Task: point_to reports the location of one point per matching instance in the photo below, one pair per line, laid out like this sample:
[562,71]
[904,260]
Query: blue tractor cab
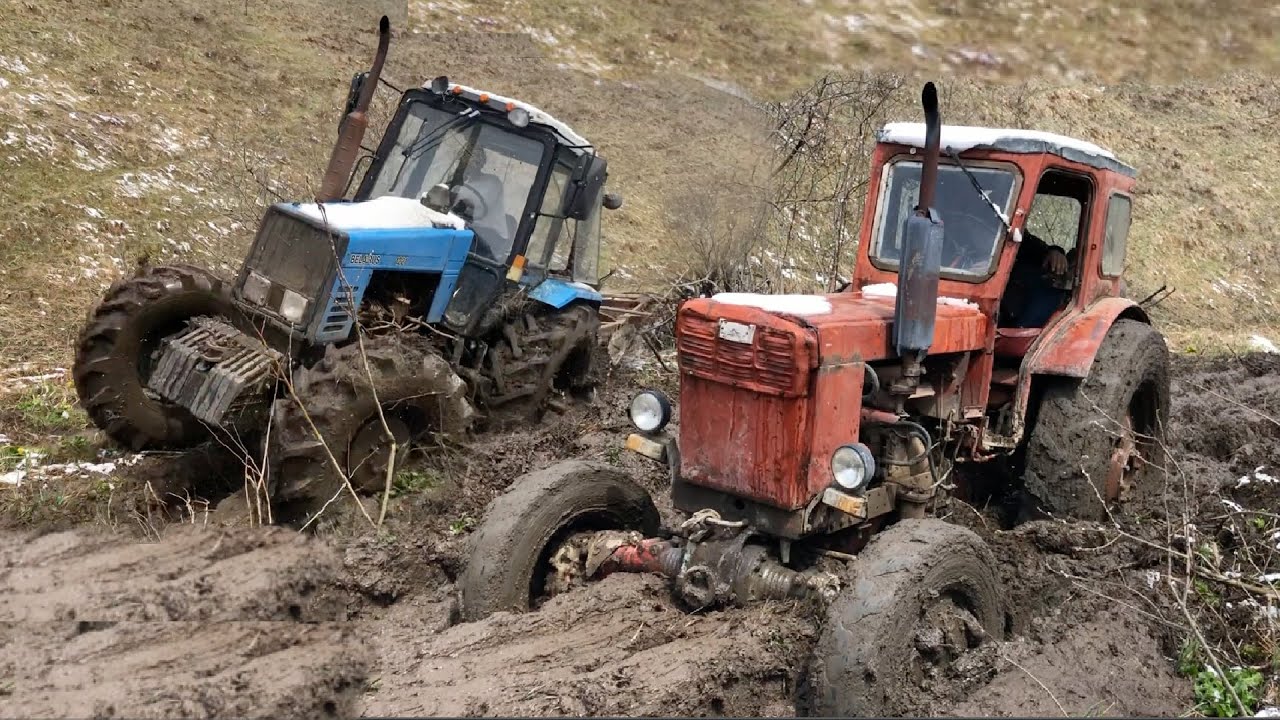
[470,196]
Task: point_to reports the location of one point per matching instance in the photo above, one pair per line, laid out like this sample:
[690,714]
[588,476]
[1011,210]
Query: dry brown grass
[159,130]
[773,48]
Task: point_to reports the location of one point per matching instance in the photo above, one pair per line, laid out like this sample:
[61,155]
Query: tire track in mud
[617,647]
[203,623]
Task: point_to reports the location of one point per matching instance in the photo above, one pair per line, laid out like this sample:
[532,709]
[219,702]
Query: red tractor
[818,433]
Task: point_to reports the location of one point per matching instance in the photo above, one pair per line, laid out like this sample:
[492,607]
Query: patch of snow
[1259,476]
[28,380]
[957,302]
[1269,578]
[380,213]
[1232,505]
[789,304]
[28,462]
[963,137]
[1268,712]
[14,65]
[880,290]
[890,290]
[1153,576]
[1258,343]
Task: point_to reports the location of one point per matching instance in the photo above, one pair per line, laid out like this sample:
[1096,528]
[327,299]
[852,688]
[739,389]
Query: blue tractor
[458,284]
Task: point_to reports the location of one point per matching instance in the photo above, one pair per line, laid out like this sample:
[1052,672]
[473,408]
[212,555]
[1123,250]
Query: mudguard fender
[1067,349]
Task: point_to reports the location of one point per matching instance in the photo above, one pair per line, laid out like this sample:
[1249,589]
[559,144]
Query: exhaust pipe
[932,149]
[347,147]
[916,307]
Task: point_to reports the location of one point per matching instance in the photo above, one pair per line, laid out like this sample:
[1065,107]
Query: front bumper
[830,511]
[215,371]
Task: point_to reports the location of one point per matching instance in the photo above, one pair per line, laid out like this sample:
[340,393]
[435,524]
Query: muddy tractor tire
[522,527]
[1096,443]
[331,415]
[921,589]
[121,341]
[538,353]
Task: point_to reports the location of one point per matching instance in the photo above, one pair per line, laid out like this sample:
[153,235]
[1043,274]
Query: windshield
[490,171]
[971,231]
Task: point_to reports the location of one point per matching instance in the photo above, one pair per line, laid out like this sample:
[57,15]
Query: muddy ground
[221,619]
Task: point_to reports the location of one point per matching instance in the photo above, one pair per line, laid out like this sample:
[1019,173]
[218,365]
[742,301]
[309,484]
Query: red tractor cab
[779,395]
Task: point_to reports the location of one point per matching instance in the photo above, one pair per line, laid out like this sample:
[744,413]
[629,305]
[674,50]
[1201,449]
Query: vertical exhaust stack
[347,147]
[915,311]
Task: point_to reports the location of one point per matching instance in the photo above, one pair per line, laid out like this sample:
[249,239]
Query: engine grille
[293,254]
[775,362]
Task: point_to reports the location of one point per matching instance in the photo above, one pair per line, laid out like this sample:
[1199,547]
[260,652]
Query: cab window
[1117,235]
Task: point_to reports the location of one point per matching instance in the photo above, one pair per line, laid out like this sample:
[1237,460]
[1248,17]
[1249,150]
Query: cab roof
[962,137]
[540,117]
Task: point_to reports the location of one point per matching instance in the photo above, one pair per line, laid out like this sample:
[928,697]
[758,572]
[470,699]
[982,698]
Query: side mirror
[612,201]
[440,85]
[588,181]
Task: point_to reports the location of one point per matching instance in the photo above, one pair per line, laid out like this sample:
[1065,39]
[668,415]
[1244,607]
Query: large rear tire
[121,341]
[1098,442]
[333,415]
[522,527]
[924,592]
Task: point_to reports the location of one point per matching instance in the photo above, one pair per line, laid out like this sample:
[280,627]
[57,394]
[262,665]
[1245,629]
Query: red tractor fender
[1068,347]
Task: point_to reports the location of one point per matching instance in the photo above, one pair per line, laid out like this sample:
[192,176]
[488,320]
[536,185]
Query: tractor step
[213,370]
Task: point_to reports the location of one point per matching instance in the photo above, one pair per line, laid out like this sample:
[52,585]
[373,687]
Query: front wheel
[343,416]
[510,554]
[123,339]
[925,593]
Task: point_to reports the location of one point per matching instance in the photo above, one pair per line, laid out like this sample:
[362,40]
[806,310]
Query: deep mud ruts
[234,622]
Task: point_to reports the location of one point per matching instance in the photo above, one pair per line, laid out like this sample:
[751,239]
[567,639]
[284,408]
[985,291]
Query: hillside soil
[217,618]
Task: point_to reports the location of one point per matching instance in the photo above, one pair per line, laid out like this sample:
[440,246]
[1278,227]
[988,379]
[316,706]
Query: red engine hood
[852,324]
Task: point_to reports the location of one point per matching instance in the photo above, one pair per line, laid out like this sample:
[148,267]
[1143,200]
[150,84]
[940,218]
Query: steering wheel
[466,191]
[963,255]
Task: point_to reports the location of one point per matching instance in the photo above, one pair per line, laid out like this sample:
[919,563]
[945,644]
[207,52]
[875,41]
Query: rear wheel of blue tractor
[121,341]
[342,416]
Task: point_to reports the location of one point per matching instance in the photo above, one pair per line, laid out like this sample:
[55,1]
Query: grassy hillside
[157,130]
[773,46]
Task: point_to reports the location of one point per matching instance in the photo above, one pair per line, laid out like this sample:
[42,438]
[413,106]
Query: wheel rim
[369,453]
[946,631]
[1126,462]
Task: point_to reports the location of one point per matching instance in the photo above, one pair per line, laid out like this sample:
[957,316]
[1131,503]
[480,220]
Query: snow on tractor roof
[536,115]
[387,212]
[963,137]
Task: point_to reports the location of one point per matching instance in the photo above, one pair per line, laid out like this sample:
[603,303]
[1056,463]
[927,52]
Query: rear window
[1117,235]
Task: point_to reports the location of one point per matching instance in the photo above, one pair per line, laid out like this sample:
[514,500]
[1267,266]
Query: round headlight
[853,465]
[650,411]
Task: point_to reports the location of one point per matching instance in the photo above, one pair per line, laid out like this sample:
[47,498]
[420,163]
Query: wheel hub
[1126,462]
[369,454]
